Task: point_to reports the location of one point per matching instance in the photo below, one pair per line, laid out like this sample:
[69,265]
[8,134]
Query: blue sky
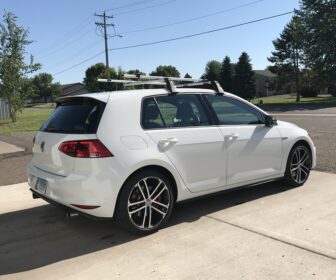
[64,32]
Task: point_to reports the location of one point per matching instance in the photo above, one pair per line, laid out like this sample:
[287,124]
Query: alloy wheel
[300,164]
[148,203]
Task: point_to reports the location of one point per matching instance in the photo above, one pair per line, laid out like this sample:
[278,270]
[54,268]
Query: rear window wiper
[53,129]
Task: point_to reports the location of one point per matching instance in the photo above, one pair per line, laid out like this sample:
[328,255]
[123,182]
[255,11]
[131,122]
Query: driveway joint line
[273,238]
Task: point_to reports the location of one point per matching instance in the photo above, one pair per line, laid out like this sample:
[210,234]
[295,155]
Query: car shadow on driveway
[40,236]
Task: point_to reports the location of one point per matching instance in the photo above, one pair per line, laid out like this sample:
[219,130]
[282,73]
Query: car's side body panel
[198,153]
[254,151]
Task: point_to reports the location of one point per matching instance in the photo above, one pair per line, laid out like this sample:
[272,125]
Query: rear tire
[298,167]
[145,202]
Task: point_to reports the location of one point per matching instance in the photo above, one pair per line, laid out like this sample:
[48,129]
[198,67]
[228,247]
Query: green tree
[28,88]
[288,58]
[99,71]
[44,87]
[136,71]
[226,73]
[212,71]
[244,83]
[165,71]
[319,23]
[13,68]
[187,76]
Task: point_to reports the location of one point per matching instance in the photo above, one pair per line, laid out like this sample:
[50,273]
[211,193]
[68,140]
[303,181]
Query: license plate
[41,185]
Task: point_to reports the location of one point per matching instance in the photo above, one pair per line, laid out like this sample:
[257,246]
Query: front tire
[145,202]
[298,167]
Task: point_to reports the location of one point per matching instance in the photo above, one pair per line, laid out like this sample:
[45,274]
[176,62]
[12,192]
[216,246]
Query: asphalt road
[264,232]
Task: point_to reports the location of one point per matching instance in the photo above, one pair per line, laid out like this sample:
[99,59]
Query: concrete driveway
[265,232]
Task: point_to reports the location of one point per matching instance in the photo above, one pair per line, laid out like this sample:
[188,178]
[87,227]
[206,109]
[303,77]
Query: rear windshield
[75,116]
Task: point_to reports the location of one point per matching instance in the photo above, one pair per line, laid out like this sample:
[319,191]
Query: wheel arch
[306,141]
[158,168]
[303,142]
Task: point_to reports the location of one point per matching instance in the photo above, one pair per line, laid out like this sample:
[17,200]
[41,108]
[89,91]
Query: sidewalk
[6,148]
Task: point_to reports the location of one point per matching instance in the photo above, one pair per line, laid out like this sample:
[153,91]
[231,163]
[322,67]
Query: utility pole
[104,26]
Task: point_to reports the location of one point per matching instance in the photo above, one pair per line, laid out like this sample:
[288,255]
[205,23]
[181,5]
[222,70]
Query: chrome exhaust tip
[71,214]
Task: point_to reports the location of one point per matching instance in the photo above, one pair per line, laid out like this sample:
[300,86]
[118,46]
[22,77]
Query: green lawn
[28,120]
[282,100]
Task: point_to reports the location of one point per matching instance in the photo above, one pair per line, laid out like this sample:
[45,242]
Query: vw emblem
[42,146]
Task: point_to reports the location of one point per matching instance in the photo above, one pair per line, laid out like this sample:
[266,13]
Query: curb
[16,154]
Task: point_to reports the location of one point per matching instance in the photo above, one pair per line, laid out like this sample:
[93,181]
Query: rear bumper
[61,206]
[76,189]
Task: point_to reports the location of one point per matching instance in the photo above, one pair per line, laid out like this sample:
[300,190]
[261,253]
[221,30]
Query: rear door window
[173,111]
[75,116]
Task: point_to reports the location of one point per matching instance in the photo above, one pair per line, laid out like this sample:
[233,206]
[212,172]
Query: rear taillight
[85,149]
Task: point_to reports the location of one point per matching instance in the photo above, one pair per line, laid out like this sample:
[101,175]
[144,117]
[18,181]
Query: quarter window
[230,111]
[173,111]
[151,117]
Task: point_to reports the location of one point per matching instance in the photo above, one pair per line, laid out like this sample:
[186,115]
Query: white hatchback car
[133,154]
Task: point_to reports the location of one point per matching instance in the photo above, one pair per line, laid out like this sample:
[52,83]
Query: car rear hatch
[75,119]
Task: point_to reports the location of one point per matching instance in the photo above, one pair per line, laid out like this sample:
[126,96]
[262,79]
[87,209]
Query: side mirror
[270,121]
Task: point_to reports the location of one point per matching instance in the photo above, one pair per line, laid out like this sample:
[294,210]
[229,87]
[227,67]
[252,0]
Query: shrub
[308,92]
[332,90]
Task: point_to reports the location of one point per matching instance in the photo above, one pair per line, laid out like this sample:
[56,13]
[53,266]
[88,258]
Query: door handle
[170,140]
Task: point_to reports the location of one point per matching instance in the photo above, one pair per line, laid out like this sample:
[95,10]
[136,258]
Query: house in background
[265,82]
[73,89]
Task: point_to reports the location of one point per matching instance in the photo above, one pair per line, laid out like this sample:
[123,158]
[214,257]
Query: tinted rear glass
[75,116]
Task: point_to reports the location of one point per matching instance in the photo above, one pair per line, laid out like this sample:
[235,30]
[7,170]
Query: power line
[80,63]
[192,19]
[67,36]
[75,54]
[201,33]
[145,8]
[50,50]
[150,28]
[179,38]
[61,47]
[129,5]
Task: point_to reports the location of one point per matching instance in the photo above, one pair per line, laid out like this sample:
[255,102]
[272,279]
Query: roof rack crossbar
[115,81]
[144,77]
[169,82]
[193,84]
[141,83]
